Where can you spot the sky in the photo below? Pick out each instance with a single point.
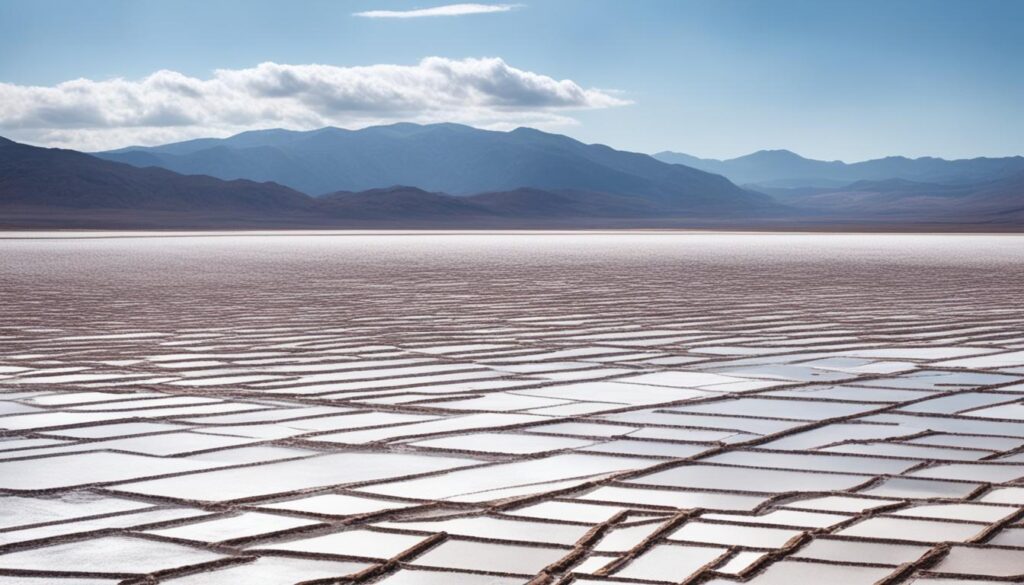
(829, 79)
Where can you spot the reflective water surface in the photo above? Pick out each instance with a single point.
(496, 408)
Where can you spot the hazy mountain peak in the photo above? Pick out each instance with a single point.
(777, 154)
(399, 189)
(528, 130)
(412, 128)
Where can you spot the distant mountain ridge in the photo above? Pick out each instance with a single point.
(49, 187)
(450, 158)
(525, 204)
(997, 201)
(55, 188)
(783, 168)
(66, 178)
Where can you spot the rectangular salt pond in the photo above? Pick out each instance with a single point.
(447, 425)
(483, 527)
(738, 479)
(335, 505)
(133, 556)
(503, 443)
(475, 484)
(913, 530)
(87, 468)
(736, 534)
(674, 498)
(351, 543)
(615, 393)
(245, 525)
(813, 462)
(65, 529)
(460, 554)
(287, 476)
(852, 551)
(272, 571)
(666, 562)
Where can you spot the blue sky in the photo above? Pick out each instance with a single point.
(826, 78)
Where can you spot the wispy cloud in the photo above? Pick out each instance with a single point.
(168, 105)
(446, 10)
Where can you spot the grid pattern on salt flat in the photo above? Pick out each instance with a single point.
(420, 409)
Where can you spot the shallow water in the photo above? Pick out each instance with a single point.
(347, 400)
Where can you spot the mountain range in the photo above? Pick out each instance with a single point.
(64, 188)
(42, 187)
(446, 175)
(449, 158)
(783, 168)
(998, 201)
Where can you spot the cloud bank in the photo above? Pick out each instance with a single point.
(446, 10)
(168, 106)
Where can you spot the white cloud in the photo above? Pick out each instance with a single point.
(167, 105)
(446, 10)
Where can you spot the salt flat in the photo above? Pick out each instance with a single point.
(496, 408)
